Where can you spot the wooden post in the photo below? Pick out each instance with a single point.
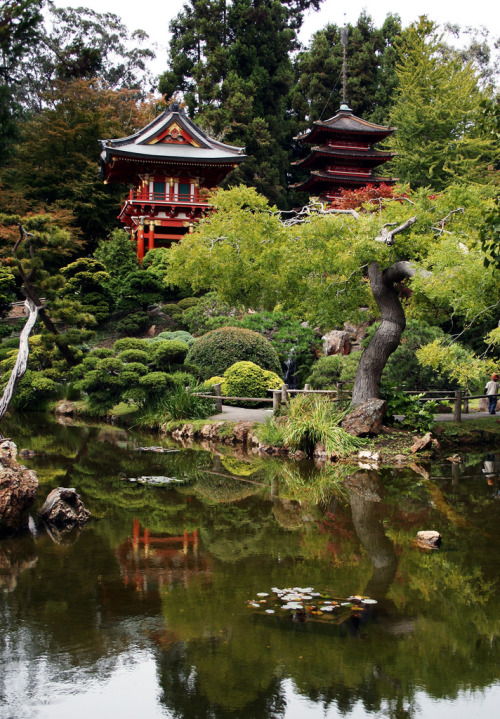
(466, 402)
(276, 401)
(284, 394)
(218, 401)
(457, 414)
(307, 387)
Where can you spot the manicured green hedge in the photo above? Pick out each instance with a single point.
(217, 350)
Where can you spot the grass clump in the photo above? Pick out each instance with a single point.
(311, 419)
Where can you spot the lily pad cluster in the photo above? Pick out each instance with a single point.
(307, 603)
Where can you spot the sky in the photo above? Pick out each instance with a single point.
(154, 16)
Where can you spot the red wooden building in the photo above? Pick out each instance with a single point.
(170, 165)
(341, 155)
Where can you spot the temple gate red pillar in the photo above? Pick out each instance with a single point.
(151, 237)
(140, 243)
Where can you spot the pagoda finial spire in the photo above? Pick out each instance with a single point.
(345, 34)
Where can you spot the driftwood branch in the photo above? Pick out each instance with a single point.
(22, 357)
(387, 235)
(314, 208)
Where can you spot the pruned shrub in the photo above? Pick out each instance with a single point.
(188, 302)
(168, 353)
(246, 379)
(101, 352)
(133, 324)
(134, 355)
(130, 343)
(171, 309)
(326, 372)
(217, 350)
(180, 335)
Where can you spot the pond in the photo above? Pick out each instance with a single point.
(146, 610)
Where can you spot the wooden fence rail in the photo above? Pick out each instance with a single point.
(281, 396)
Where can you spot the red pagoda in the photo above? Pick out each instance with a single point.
(171, 166)
(342, 155)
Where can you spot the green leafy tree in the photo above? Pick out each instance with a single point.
(20, 26)
(437, 112)
(62, 143)
(86, 280)
(319, 270)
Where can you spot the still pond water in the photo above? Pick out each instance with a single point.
(144, 612)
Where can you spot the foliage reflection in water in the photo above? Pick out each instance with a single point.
(145, 609)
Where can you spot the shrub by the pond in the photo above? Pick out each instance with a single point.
(217, 350)
(246, 379)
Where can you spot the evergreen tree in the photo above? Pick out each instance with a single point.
(437, 113)
(371, 75)
(231, 60)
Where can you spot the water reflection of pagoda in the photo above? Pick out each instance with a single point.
(155, 562)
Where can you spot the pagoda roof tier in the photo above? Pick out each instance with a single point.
(347, 124)
(341, 179)
(366, 157)
(171, 142)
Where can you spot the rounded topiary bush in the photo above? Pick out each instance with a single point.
(246, 379)
(188, 302)
(217, 350)
(171, 309)
(168, 353)
(133, 324)
(130, 343)
(180, 335)
(134, 355)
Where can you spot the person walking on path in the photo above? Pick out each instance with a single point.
(491, 390)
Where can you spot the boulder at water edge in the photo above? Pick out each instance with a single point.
(63, 508)
(366, 419)
(18, 487)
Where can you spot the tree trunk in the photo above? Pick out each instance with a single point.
(387, 337)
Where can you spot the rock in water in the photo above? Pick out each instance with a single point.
(18, 487)
(366, 419)
(63, 507)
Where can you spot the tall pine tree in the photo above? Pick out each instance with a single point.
(231, 61)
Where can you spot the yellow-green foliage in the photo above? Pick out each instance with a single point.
(456, 362)
(209, 383)
(246, 379)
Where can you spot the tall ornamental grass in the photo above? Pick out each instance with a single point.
(311, 419)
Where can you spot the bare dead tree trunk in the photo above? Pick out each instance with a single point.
(22, 357)
(387, 337)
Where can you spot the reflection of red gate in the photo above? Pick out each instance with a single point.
(150, 562)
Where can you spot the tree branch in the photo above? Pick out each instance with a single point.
(388, 236)
(22, 357)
